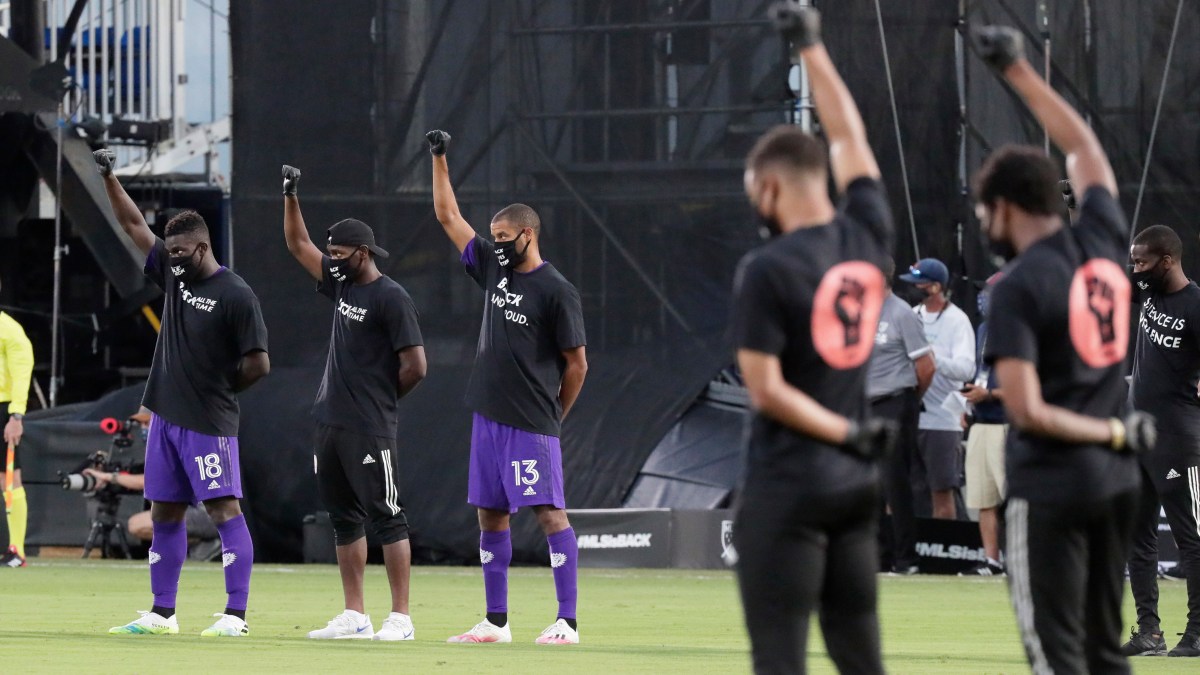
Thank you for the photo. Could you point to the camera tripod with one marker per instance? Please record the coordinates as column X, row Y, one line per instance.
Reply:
column 105, row 525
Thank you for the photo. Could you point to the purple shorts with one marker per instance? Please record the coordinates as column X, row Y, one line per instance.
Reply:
column 511, row 468
column 188, row 467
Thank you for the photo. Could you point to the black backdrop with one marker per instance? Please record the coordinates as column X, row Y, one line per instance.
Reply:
column 637, row 181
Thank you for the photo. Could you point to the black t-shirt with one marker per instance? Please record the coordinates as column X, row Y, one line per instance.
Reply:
column 1166, row 361
column 529, row 319
column 371, row 323
column 207, row 327
column 1063, row 305
column 813, row 298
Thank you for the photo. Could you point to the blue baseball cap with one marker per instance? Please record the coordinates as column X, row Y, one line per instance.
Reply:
column 928, row 270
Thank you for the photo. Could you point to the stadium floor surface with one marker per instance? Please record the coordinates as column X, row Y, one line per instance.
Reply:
column 56, row 613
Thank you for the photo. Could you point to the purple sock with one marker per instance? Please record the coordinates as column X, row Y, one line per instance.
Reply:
column 564, row 554
column 237, row 557
column 495, row 552
column 167, row 552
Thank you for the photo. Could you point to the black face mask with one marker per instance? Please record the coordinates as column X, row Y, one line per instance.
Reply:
column 185, row 267
column 507, row 254
column 1148, row 281
column 342, row 270
column 1002, row 252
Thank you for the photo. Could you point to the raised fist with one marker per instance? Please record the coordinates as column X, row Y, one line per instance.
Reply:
column 799, row 25
column 291, row 176
column 999, row 46
column 104, row 161
column 438, row 140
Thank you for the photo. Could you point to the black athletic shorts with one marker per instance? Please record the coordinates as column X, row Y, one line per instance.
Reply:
column 356, row 476
column 17, row 450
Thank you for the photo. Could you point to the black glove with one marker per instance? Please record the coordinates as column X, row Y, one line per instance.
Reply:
column 999, row 46
column 873, row 438
column 437, row 141
column 1141, row 432
column 801, row 26
column 1068, row 193
column 104, row 161
column 291, row 176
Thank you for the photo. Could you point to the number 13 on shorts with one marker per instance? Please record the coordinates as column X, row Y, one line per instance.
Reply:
column 528, row 467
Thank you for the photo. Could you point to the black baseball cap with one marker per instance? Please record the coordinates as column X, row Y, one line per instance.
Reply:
column 351, row 232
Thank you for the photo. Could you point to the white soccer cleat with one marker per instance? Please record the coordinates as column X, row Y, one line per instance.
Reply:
column 227, row 625
column 484, row 631
column 349, row 625
column 149, row 623
column 558, row 633
column 397, row 627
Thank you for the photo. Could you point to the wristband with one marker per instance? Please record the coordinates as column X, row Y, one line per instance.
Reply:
column 1117, row 427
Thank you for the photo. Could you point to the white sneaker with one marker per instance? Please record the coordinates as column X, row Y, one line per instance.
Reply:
column 149, row 623
column 558, row 633
column 484, row 631
column 397, row 627
column 349, row 625
column 227, row 625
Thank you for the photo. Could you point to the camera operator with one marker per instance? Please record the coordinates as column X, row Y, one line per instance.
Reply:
column 203, row 538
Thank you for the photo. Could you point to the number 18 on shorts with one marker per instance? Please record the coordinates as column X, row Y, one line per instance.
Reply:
column 185, row 466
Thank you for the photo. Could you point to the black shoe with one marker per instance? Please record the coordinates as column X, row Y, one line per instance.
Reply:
column 1188, row 646
column 12, row 559
column 906, row 570
column 984, row 569
column 1145, row 644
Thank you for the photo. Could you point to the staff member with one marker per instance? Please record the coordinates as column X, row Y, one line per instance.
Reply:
column 900, row 371
column 16, row 371
column 1059, row 330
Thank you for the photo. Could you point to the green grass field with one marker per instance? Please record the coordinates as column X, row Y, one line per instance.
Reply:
column 56, row 615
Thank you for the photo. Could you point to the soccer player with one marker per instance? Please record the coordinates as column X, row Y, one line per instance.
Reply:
column 375, row 358
column 985, row 448
column 1057, row 337
column 939, row 438
column 212, row 345
column 900, row 371
column 529, row 368
column 805, row 310
column 16, row 371
column 1166, row 370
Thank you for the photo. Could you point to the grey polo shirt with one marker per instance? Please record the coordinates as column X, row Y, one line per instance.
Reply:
column 899, row 340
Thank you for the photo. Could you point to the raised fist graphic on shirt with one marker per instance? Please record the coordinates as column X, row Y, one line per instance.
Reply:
column 849, row 309
column 1102, row 304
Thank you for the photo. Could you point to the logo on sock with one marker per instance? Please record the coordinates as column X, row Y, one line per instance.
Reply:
column 154, row 557
column 486, row 557
column 529, row 492
column 228, row 558
column 1172, row 474
column 213, row 485
column 558, row 559
column 368, row 460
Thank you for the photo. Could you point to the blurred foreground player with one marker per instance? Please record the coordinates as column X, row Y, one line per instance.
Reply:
column 529, row 369
column 212, row 345
column 1166, row 371
column 805, row 311
column 1058, row 334
column 375, row 358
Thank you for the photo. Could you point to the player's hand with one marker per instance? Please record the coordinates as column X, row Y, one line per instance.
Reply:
column 801, row 26
column 975, row 393
column 999, row 46
column 291, row 176
column 872, row 439
column 1141, row 432
column 13, row 431
column 104, row 161
column 438, row 140
column 100, row 476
